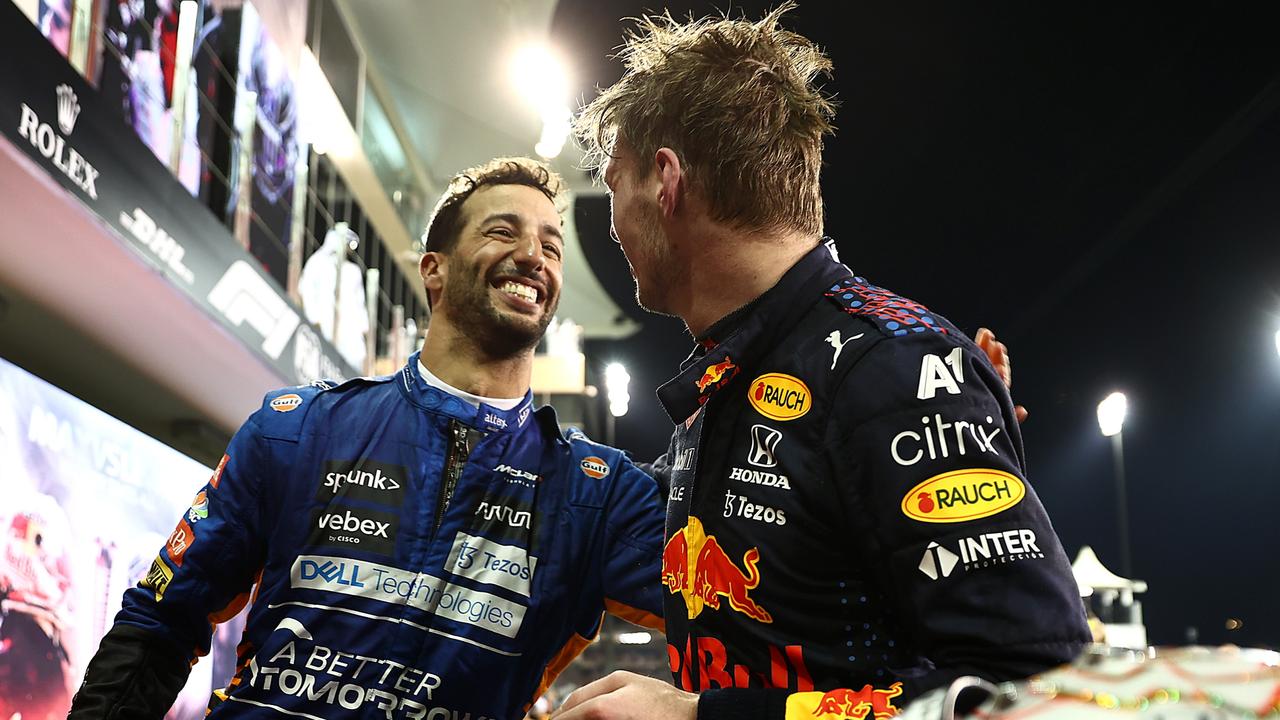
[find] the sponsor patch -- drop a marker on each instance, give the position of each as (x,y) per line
(199,507)
(350,684)
(937,438)
(489,562)
(835,341)
(158,578)
(779,397)
(941,373)
(594,467)
(963,495)
(760,477)
(217,473)
(979,551)
(869,703)
(764,446)
(417,590)
(179,540)
(285,403)
(358,528)
(741,506)
(712,376)
(696,567)
(362,480)
(503,518)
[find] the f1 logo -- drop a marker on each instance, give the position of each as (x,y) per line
(764,443)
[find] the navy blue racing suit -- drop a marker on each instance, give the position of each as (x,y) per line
(850,522)
(405,554)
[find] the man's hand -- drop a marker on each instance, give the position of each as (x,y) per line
(999,356)
(627,696)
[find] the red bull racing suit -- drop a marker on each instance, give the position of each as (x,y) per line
(849,522)
(408,555)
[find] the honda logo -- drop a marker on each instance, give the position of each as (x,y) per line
(764,443)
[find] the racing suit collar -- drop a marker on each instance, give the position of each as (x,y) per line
(485,417)
(749,332)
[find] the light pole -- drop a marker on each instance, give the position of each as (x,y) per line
(1111,412)
(616,379)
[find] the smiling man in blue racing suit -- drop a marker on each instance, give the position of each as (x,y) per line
(422,545)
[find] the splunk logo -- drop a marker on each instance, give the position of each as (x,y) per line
(362,480)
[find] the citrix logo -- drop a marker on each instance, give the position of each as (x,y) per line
(352,523)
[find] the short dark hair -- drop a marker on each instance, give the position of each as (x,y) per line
(446,220)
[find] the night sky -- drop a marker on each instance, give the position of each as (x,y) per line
(1097,184)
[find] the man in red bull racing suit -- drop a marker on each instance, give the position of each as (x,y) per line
(849,521)
(411,547)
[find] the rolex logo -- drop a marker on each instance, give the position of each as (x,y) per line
(68,108)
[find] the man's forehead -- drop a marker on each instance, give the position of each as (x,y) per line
(510,199)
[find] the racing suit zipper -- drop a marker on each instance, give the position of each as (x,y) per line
(454,461)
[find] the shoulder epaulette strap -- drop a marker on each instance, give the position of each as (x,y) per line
(893,314)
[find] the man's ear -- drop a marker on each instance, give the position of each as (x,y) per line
(670,181)
(433,269)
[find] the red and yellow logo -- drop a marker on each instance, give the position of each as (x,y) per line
(179,541)
(285,403)
(865,704)
(594,467)
(695,566)
(779,397)
(217,473)
(714,373)
(963,495)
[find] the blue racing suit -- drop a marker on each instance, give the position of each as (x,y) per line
(405,554)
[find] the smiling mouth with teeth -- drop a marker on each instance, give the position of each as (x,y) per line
(524,292)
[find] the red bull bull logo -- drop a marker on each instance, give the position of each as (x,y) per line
(715,373)
(695,566)
(869,703)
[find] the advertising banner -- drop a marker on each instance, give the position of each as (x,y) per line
(87,503)
(49,112)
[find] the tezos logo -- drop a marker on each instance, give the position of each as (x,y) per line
(963,495)
(285,403)
(778,396)
(594,467)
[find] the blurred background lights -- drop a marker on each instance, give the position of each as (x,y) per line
(542,79)
(1111,412)
(616,379)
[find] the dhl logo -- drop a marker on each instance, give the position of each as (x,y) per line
(714,373)
(695,566)
(865,704)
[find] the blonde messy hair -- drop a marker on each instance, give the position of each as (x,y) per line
(738,103)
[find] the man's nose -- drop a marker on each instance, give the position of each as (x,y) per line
(528,252)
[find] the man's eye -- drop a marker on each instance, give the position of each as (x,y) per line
(551,249)
(504,232)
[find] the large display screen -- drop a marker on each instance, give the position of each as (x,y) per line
(86,502)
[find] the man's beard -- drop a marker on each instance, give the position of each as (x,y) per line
(660,271)
(497,334)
